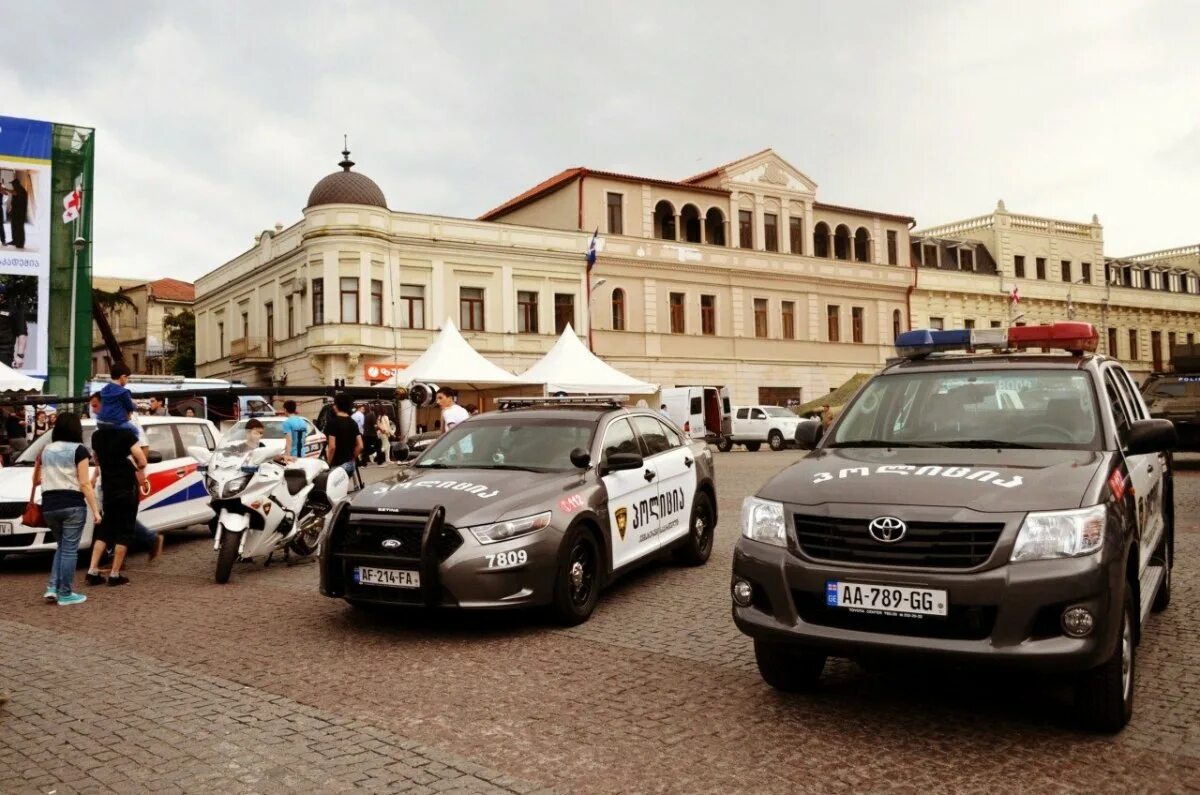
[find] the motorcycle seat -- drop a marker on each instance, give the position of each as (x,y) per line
(296,480)
(319,483)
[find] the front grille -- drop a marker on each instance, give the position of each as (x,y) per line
(365,534)
(935,545)
(962,622)
(12,510)
(18,540)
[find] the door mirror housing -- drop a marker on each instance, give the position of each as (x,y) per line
(399,451)
(808,434)
(618,462)
(154,457)
(1151,436)
(581,458)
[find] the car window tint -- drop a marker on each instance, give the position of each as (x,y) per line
(653,434)
(162,440)
(743,414)
(620,438)
(1132,396)
(697,408)
(673,436)
(194,436)
(1119,412)
(758,414)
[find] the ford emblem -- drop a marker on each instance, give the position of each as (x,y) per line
(391,543)
(884,529)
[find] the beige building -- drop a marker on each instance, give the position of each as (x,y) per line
(138,328)
(736,276)
(966,273)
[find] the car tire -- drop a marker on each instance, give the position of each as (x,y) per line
(787,668)
(753,446)
(724,444)
(577,581)
(775,440)
(1162,599)
(227,555)
(1105,696)
(698,545)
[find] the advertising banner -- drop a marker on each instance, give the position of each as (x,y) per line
(25,218)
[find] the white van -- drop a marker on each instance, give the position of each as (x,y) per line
(701,411)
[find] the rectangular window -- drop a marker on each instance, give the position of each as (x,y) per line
(291,316)
(564,311)
(1086,274)
(969,323)
(376,302)
(1170,342)
(771,231)
(527,311)
(318,301)
(929,256)
(893,247)
(1019,266)
(1066,270)
(967,259)
(760,317)
(745,229)
(348,288)
(789,320)
(796,235)
(833,323)
(1108,273)
(616,215)
(412,306)
(269,312)
(470,308)
(1191,338)
(1156,350)
(708,315)
(856,323)
(1133,345)
(936,323)
(1041,267)
(995,324)
(677,313)
(220,341)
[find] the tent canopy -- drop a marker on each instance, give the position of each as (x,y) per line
(12,381)
(570,367)
(450,359)
(838,397)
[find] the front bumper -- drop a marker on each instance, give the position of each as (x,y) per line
(24,540)
(1007,615)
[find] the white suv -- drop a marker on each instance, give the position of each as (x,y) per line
(753,425)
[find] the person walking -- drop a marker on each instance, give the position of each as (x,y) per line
(122,460)
(61,469)
(295,430)
(387,432)
(370,434)
(345,440)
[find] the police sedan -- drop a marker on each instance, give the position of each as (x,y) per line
(539,504)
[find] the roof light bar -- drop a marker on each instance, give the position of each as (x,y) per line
(1071,336)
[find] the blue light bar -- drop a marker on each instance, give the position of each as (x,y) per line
(922,342)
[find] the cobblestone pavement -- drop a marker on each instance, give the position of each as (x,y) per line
(174,683)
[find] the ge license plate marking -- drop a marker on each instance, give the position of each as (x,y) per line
(887,600)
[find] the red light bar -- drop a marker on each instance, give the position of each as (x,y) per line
(1069,336)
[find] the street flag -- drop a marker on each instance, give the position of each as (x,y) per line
(591,251)
(72,205)
(1016,295)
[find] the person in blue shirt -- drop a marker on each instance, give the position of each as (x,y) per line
(295,428)
(116,401)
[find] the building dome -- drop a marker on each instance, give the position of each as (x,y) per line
(346,187)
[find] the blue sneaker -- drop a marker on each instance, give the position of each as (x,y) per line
(72,599)
(50,596)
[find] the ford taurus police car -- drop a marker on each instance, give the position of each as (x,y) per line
(539,504)
(936,518)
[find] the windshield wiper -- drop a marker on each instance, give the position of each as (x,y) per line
(991,444)
(882,443)
(514,467)
(434,465)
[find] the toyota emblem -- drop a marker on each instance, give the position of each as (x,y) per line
(887,529)
(391,543)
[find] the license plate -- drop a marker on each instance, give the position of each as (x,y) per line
(6,528)
(888,600)
(393,578)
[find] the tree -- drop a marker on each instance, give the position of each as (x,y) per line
(180,331)
(110,302)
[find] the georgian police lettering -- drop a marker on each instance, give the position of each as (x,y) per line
(654,508)
(979,475)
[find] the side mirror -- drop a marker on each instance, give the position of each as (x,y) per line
(618,462)
(398,452)
(154,458)
(201,454)
(808,434)
(581,458)
(1151,436)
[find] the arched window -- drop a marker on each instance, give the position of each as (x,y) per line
(618,309)
(689,219)
(664,221)
(841,242)
(821,240)
(714,227)
(862,245)
(896,318)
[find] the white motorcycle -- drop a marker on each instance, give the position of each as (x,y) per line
(264,505)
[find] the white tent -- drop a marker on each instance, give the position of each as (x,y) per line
(450,360)
(12,381)
(570,367)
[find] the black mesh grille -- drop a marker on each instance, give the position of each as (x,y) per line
(962,622)
(937,545)
(18,540)
(366,534)
(12,510)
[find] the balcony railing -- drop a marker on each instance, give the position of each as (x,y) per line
(252,350)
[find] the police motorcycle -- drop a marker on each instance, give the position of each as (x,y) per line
(266,502)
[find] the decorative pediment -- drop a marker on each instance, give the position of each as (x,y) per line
(768,170)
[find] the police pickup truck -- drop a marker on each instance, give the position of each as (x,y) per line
(538,504)
(933,519)
(1175,395)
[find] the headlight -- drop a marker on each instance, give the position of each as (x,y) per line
(510,528)
(762,520)
(213,487)
(1060,534)
(235,486)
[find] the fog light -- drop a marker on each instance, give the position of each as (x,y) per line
(743,593)
(1078,622)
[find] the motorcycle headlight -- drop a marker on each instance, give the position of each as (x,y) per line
(762,520)
(1060,534)
(510,528)
(214,488)
(236,486)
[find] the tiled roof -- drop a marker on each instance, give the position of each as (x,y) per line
(173,290)
(855,211)
(712,172)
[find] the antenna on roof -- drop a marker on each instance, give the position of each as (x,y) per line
(346,161)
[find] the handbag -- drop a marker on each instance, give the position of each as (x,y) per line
(33,516)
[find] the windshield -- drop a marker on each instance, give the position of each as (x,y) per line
(1049,409)
(510,443)
(259,406)
(778,411)
(234,439)
(29,456)
(1174,386)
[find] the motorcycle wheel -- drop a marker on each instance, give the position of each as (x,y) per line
(226,556)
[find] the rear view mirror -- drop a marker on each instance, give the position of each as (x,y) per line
(399,451)
(1152,436)
(154,457)
(201,454)
(618,462)
(580,458)
(808,434)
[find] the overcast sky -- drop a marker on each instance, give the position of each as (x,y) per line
(214,120)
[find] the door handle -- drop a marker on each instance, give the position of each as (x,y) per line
(180,473)
(687,462)
(648,475)
(1150,468)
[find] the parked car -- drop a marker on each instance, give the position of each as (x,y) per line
(753,425)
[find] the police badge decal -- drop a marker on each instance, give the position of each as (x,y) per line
(622,517)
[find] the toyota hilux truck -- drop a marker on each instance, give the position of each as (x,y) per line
(932,520)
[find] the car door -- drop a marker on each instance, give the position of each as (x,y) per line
(1152,472)
(741,422)
(759,423)
(1139,466)
(197,503)
(675,464)
(632,532)
(167,504)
